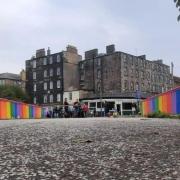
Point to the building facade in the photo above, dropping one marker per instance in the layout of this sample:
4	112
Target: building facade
50	75
117	78
121	78
13	79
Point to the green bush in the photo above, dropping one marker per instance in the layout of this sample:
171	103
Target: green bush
158	115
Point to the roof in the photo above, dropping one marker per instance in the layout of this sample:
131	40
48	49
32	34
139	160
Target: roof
10	76
176	79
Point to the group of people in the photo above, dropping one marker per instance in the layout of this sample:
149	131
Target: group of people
69	110
78	109
75	110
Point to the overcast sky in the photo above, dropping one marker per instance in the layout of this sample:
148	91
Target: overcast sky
134	26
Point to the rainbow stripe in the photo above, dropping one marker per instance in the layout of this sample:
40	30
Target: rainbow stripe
18	110
168	102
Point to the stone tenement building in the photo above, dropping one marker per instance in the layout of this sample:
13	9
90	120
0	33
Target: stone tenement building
13	79
121	78
116	77
51	76
118	74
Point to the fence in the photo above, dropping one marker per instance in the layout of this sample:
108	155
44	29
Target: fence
168	102
18	110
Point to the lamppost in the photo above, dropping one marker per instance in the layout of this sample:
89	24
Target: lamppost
101	94
172	72
138	95
100	81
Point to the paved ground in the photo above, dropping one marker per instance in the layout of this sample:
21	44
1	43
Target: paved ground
90	149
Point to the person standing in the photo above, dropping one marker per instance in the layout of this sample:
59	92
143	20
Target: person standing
133	109
77	108
84	109
106	108
66	107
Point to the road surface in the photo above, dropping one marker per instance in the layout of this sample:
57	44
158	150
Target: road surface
91	148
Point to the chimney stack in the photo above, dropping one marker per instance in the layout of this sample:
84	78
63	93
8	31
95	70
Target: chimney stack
48	51
40	53
72	49
110	49
91	54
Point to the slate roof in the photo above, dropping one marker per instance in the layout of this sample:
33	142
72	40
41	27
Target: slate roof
176	79
10	76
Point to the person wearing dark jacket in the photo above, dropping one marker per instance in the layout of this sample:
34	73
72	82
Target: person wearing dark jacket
66	107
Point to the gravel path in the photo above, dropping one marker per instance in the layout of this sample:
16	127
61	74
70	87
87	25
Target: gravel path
92	148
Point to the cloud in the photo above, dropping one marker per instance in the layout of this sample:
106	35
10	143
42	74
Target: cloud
26	25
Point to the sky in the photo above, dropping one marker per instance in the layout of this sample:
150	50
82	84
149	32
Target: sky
135	26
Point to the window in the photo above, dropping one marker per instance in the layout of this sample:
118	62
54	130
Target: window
127	106
125	59
99	104
50	60
51	98
137	86
132	61
142	86
162	89
45	61
98	74
45	86
51	72
58	71
137	74
58	84
70	96
132	86
149	87
142	75
58	97
92	105
82	77
34	88
148	75
45	73
82	65
136	61
125	85
125	71
51	84
58	58
99	62
45	98
34	64
132	72
34	75
98	87
34	100
106	74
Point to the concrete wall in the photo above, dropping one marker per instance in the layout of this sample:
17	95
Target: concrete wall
74	95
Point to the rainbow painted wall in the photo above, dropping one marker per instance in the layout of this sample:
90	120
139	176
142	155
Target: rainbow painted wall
18	110
168	102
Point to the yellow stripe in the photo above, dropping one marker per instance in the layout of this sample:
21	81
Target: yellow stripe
8	106
160	104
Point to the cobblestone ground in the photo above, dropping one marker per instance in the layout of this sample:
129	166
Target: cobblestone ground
90	149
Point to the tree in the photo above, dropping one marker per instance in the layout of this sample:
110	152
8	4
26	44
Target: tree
178	6
13	93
